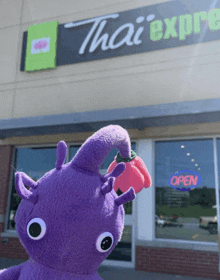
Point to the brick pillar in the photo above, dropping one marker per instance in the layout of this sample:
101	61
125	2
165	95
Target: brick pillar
12	249
5	169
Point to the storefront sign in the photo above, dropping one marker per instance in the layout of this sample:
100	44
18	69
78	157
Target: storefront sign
165	25
41	46
184	180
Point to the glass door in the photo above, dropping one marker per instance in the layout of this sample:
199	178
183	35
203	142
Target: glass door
124	253
186	193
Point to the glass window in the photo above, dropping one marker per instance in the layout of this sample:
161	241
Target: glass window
35	162
185	190
73	150
122	251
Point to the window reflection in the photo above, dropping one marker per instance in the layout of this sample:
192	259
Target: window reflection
185	190
73	150
122	252
35	162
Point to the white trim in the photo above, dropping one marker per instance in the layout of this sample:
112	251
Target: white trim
205	243
68	153
35	146
8	233
180	244
129	218
146	198
133	236
195	137
215	155
117	263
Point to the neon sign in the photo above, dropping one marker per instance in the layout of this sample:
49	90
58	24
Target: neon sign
184	180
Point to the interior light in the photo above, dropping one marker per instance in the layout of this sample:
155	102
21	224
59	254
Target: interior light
199	168
192	159
182	146
196	164
188	154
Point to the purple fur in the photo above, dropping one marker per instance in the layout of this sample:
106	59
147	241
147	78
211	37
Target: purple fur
96	148
61	154
22	191
75	206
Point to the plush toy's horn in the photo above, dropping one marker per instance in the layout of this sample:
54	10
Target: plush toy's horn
96	148
20	179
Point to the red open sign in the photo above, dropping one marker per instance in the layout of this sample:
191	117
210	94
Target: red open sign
187	180
184	180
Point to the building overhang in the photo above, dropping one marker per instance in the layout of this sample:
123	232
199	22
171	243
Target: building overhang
177	113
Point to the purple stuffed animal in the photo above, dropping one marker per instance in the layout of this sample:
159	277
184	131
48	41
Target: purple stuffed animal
71	219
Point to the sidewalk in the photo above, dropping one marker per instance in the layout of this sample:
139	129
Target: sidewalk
113	273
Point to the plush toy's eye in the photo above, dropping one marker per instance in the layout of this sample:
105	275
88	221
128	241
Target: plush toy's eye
36	228
104	242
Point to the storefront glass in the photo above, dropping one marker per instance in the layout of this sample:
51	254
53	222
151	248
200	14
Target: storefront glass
122	252
35	162
185	190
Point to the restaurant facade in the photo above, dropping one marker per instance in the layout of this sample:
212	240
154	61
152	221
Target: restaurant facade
69	68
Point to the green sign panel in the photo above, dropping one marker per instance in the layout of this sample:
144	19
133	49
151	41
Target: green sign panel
41	46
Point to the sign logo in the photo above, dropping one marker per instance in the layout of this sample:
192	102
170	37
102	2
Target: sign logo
184	180
41	46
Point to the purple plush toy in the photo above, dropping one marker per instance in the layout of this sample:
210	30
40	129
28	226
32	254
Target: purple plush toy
71	219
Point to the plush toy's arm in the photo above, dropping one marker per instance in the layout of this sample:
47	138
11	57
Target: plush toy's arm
11	273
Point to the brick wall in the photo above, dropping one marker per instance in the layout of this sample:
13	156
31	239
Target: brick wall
13	248
177	261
